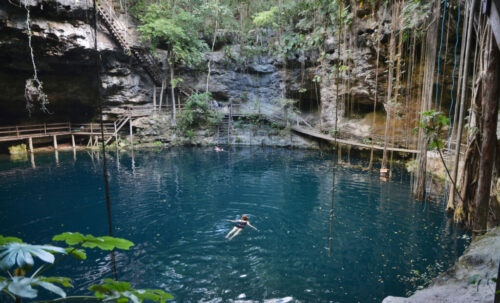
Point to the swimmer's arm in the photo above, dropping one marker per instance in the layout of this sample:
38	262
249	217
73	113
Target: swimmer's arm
235	221
252	226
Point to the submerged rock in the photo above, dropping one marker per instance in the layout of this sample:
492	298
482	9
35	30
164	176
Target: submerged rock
479	263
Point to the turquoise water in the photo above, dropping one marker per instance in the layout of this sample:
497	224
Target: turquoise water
174	205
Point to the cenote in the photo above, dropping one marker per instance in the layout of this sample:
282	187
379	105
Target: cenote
174	205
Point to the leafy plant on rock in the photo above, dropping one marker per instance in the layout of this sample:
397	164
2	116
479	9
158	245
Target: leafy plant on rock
17	259
199	113
432	123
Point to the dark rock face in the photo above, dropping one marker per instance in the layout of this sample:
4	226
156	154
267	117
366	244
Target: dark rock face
63	45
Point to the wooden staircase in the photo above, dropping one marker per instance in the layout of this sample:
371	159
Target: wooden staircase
118	124
119	32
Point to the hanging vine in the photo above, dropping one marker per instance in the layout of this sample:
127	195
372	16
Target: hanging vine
33	90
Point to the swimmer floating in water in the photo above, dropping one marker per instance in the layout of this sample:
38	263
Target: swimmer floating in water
239	227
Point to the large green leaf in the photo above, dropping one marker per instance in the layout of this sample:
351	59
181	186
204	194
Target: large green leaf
66	282
7	240
156	295
122	292
104	243
77	253
22	254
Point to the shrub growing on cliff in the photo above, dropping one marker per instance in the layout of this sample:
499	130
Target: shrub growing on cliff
199	113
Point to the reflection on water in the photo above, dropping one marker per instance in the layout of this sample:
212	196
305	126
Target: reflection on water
174	205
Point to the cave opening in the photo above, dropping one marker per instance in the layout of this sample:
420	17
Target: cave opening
308	98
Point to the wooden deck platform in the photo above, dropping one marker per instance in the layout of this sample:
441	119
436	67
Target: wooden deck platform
315	134
23	132
47	130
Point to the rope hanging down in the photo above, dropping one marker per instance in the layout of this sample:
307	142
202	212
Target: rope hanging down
439	56
104	164
330	239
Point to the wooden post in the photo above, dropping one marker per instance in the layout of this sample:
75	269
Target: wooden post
55	142
116	134
340	153
154	98
73	141
17	131
91	128
30	143
131	134
229	122
45	128
32	156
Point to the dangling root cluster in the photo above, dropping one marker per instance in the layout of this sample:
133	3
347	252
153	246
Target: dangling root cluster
33	92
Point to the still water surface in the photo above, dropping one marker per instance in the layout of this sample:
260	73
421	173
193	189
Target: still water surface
174	205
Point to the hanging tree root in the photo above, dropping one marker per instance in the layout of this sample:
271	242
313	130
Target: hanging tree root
447	171
33	90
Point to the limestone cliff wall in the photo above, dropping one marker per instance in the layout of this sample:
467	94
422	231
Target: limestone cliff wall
63	45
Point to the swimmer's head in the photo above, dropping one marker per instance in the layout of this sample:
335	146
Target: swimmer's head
244	217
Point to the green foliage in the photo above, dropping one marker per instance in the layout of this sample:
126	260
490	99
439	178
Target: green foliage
18	149
120	291
18	257
432	123
255	118
170	26
414	15
176	81
104	243
216	15
198	113
266	18
7	240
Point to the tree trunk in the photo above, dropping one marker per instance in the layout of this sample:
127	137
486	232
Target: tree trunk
490	117
463	209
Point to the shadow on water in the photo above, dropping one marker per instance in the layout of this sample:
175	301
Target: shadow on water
174	205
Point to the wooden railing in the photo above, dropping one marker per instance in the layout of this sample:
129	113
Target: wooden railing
34	129
18	132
